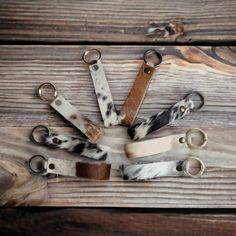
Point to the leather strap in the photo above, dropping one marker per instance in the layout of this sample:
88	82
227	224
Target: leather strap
93	171
70	113
136	95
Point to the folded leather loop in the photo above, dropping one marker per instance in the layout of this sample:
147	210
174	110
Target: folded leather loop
138	91
76	144
70	113
159	145
162	169
159	120
108	110
71	168
93	171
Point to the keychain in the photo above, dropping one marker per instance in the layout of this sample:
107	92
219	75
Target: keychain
154	170
70	113
41	135
108	110
164	144
159	120
39	165
152	59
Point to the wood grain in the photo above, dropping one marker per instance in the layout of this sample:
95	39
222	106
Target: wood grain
116	222
210	70
119	21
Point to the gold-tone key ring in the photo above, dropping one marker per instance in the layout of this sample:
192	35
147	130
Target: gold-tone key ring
152	58
186	165
39	129
47	85
188	139
91	56
202	100
37	165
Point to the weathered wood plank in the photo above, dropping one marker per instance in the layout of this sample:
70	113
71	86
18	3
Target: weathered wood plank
119	21
206	69
112	222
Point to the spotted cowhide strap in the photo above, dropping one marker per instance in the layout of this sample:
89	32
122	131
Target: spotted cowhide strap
108	110
162	169
69	112
157	121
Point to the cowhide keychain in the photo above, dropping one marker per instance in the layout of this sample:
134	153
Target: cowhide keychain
159	120
190	167
70	113
108	110
167	143
39	165
84	147
131	106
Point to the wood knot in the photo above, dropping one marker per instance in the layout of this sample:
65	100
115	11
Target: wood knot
171	30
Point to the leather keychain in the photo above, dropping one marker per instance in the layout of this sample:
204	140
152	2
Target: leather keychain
39	165
131	106
108	110
42	135
70	113
159	145
159	120
154	170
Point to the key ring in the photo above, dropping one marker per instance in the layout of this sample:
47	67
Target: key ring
149	56
41	170
40	91
189	95
184	166
42	137
188	138
94	52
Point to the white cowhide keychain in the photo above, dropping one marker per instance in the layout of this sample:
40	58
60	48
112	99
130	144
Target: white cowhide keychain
193	139
39	165
159	120
190	167
108	110
70	113
76	144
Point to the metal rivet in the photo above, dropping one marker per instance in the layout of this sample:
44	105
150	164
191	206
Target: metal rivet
95	67
147	70
182	140
58	102
51	166
182	109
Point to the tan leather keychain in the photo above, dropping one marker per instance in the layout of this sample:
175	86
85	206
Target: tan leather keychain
129	111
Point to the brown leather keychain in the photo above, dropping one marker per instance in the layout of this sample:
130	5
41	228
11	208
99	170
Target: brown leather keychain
129	111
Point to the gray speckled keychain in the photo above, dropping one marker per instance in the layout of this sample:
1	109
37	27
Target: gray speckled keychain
157	121
108	110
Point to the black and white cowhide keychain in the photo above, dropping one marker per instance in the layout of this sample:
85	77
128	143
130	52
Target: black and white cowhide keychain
84	147
190	167
159	120
108	110
69	112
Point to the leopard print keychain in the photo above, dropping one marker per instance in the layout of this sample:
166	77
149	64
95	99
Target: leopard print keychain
159	120
76	144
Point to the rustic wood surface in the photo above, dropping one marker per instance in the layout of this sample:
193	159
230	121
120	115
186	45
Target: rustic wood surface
113	222
118	21
210	70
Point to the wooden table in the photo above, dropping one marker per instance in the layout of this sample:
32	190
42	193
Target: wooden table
43	41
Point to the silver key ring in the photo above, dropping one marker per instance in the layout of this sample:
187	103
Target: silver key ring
151	55
36	129
49	85
91	52
40	165
200	96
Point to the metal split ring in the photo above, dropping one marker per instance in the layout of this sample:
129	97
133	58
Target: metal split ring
39	128
40	170
150	55
201	98
40	91
87	54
